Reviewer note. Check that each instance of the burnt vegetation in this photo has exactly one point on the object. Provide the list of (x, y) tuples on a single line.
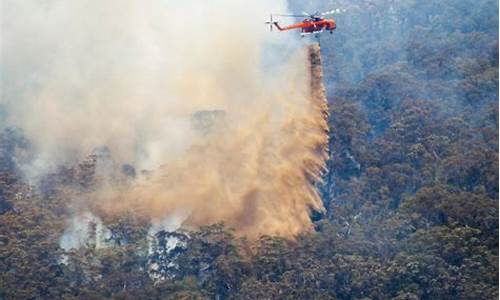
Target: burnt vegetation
[(411, 190)]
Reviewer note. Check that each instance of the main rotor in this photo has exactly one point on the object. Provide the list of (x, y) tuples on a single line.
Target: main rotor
[(316, 15)]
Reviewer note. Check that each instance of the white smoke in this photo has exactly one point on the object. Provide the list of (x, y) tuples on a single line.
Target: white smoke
[(131, 75), (83, 74), (84, 229)]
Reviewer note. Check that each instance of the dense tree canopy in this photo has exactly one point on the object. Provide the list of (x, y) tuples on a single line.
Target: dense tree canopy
[(411, 189)]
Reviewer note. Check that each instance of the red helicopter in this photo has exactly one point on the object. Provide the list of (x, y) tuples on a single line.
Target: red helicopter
[(312, 24)]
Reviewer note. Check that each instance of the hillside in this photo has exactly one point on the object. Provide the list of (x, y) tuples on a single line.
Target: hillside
[(406, 206)]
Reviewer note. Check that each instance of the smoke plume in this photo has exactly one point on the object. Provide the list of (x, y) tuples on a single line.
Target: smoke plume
[(215, 113)]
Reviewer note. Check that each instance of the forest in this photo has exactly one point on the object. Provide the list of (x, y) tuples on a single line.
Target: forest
[(411, 188)]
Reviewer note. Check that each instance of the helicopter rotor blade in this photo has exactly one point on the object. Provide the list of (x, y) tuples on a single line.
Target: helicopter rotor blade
[(334, 11), (284, 15), (270, 23), (316, 14)]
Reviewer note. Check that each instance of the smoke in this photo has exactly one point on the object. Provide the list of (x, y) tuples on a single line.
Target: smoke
[(84, 228), (200, 94)]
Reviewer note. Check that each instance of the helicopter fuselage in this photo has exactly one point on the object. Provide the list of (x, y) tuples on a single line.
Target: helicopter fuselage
[(310, 25)]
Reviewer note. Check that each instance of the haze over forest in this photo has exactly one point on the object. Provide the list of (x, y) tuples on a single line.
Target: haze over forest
[(171, 150)]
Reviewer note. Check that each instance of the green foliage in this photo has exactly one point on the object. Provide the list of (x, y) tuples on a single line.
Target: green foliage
[(411, 190)]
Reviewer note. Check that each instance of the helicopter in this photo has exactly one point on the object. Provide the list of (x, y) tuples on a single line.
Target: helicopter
[(313, 23)]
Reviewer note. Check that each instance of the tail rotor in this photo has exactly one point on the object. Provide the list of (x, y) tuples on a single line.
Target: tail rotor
[(270, 23)]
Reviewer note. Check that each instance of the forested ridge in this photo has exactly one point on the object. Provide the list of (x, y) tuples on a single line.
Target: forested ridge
[(411, 188)]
